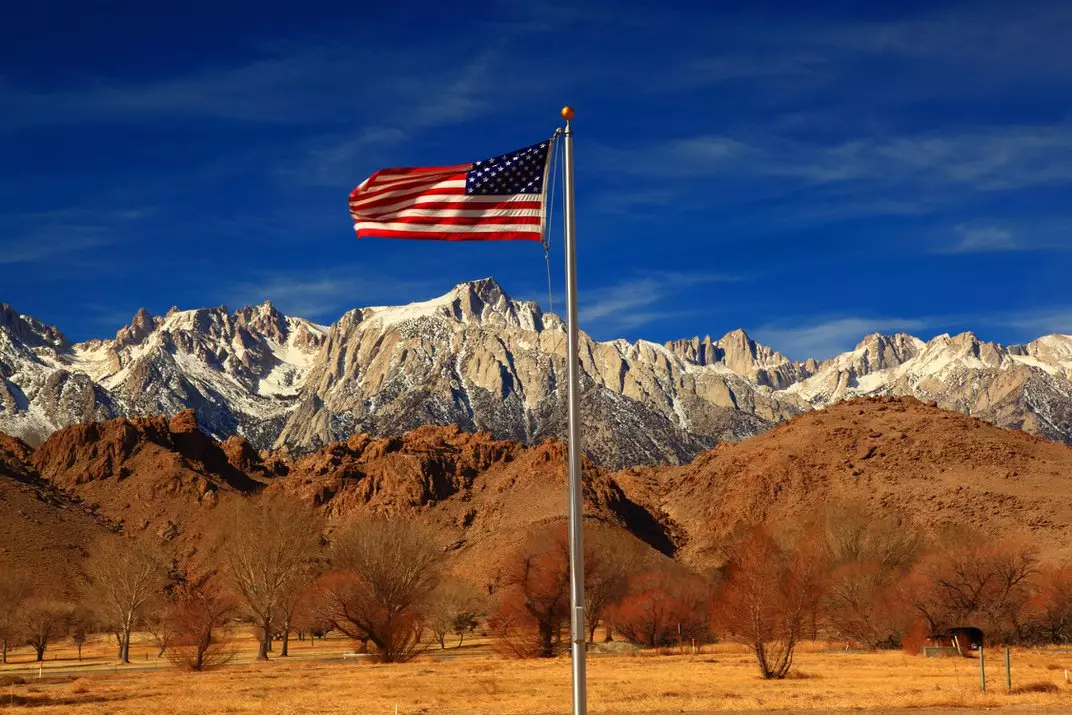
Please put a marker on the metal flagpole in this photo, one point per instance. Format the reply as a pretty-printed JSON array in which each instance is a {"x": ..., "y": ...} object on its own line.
[{"x": 576, "y": 500}]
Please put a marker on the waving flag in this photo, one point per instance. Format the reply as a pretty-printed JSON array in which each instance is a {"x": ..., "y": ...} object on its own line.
[{"x": 497, "y": 199}]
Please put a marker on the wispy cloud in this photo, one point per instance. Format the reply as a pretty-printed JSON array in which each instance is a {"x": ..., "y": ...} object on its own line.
[
  {"x": 422, "y": 101},
  {"x": 641, "y": 300},
  {"x": 812, "y": 181},
  {"x": 1001, "y": 39},
  {"x": 831, "y": 336},
  {"x": 324, "y": 295},
  {"x": 946, "y": 48},
  {"x": 986, "y": 159},
  {"x": 54, "y": 243},
  {"x": 1039, "y": 233},
  {"x": 1035, "y": 322},
  {"x": 984, "y": 239},
  {"x": 330, "y": 161},
  {"x": 63, "y": 235},
  {"x": 312, "y": 85},
  {"x": 683, "y": 158}
]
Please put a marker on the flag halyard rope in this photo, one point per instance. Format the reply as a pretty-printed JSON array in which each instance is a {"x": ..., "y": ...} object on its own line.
[{"x": 556, "y": 156}]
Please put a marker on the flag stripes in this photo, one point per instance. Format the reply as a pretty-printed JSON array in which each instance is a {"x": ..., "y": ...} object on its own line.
[{"x": 449, "y": 203}]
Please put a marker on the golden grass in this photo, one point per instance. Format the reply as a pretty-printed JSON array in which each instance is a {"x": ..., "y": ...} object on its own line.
[{"x": 473, "y": 680}]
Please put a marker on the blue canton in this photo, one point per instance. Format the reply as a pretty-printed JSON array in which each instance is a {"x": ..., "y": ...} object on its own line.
[{"x": 519, "y": 172}]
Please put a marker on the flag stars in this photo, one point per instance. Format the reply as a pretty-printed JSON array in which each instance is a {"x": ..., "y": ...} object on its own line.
[{"x": 520, "y": 172}]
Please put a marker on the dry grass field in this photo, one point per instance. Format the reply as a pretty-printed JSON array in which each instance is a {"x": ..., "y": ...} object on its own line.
[{"x": 472, "y": 679}]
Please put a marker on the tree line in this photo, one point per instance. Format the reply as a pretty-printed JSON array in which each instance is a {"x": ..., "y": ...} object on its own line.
[{"x": 849, "y": 574}]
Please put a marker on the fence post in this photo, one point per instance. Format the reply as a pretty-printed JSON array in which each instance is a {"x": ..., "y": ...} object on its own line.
[
  {"x": 1008, "y": 670},
  {"x": 982, "y": 670}
]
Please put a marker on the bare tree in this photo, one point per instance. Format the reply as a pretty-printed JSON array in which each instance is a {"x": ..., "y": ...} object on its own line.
[
  {"x": 44, "y": 621},
  {"x": 269, "y": 546},
  {"x": 665, "y": 605},
  {"x": 853, "y": 533},
  {"x": 124, "y": 576},
  {"x": 611, "y": 557},
  {"x": 82, "y": 623},
  {"x": 533, "y": 607},
  {"x": 199, "y": 611},
  {"x": 385, "y": 572},
  {"x": 453, "y": 608},
  {"x": 294, "y": 605},
  {"x": 1049, "y": 611},
  {"x": 160, "y": 624},
  {"x": 14, "y": 591},
  {"x": 984, "y": 582},
  {"x": 769, "y": 592},
  {"x": 870, "y": 553}
]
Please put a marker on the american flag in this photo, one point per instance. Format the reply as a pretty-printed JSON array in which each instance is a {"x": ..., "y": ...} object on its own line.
[{"x": 496, "y": 199}]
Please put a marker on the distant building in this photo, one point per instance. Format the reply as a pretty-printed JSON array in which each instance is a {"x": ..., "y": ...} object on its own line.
[{"x": 963, "y": 641}]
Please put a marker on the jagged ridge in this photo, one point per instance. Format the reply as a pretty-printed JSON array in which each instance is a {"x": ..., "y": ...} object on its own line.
[{"x": 481, "y": 360}]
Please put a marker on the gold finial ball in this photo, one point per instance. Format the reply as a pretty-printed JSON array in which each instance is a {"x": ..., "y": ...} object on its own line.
[{"x": 567, "y": 112}]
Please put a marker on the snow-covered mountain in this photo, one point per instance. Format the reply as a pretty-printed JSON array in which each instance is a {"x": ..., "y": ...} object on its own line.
[
  {"x": 480, "y": 359},
  {"x": 241, "y": 371},
  {"x": 1025, "y": 387}
]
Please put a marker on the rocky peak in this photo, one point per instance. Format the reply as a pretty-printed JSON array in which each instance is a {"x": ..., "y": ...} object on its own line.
[
  {"x": 15, "y": 456},
  {"x": 1051, "y": 349},
  {"x": 141, "y": 325},
  {"x": 30, "y": 331},
  {"x": 160, "y": 450},
  {"x": 967, "y": 346},
  {"x": 487, "y": 290},
  {"x": 736, "y": 350},
  {"x": 741, "y": 353},
  {"x": 485, "y": 300},
  {"x": 481, "y": 302},
  {"x": 183, "y": 422},
  {"x": 882, "y": 352},
  {"x": 264, "y": 320}
]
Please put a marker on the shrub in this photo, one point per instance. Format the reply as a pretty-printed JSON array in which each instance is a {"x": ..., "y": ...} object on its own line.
[
  {"x": 1042, "y": 686},
  {"x": 196, "y": 620},
  {"x": 664, "y": 606}
]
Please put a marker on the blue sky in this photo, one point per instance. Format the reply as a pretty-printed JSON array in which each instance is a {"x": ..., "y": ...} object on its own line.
[{"x": 810, "y": 175}]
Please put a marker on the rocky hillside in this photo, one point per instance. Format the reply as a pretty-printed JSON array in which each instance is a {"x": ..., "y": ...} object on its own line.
[
  {"x": 165, "y": 480},
  {"x": 481, "y": 360},
  {"x": 149, "y": 474},
  {"x": 44, "y": 530},
  {"x": 897, "y": 456},
  {"x": 934, "y": 468}
]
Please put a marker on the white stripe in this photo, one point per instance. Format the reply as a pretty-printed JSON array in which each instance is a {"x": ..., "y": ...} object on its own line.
[
  {"x": 382, "y": 181},
  {"x": 375, "y": 195},
  {"x": 449, "y": 213},
  {"x": 454, "y": 199},
  {"x": 447, "y": 228}
]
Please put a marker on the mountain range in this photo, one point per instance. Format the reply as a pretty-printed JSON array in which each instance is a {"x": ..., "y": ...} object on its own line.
[
  {"x": 478, "y": 359},
  {"x": 894, "y": 457}
]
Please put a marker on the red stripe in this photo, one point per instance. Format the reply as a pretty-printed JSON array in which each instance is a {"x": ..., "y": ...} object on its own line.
[
  {"x": 399, "y": 193},
  {"x": 475, "y": 205},
  {"x": 391, "y": 200},
  {"x": 423, "y": 170},
  {"x": 447, "y": 236},
  {"x": 460, "y": 206},
  {"x": 386, "y": 216},
  {"x": 463, "y": 220},
  {"x": 373, "y": 188}
]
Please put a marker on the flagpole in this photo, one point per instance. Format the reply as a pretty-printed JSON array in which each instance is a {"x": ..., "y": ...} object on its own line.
[{"x": 576, "y": 499}]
